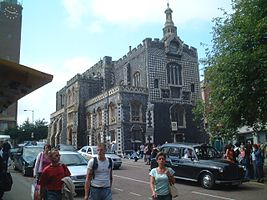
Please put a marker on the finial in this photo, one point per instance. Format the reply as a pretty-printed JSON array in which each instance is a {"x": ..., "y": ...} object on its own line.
[{"x": 168, "y": 3}]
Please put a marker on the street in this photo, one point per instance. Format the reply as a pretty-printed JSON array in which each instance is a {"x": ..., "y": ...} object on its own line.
[{"x": 131, "y": 182}]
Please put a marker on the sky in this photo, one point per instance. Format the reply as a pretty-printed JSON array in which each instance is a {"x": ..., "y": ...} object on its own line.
[{"x": 66, "y": 37}]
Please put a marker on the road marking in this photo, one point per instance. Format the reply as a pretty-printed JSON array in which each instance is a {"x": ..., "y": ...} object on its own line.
[
  {"x": 214, "y": 196},
  {"x": 131, "y": 165},
  {"x": 127, "y": 178},
  {"x": 135, "y": 194},
  {"x": 119, "y": 189}
]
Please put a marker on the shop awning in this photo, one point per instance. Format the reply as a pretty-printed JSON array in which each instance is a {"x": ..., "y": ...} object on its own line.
[{"x": 17, "y": 80}]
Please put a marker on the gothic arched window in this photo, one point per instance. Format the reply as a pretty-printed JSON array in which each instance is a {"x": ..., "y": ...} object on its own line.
[
  {"x": 136, "y": 114},
  {"x": 178, "y": 115},
  {"x": 137, "y": 79}
]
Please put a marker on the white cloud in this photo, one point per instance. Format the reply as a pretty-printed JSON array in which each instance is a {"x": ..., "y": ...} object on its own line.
[
  {"x": 46, "y": 95},
  {"x": 138, "y": 12},
  {"x": 95, "y": 27},
  {"x": 76, "y": 10}
]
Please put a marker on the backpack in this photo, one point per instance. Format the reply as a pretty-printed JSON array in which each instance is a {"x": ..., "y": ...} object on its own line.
[{"x": 95, "y": 165}]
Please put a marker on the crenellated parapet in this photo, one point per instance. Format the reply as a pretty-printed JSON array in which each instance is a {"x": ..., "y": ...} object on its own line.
[{"x": 192, "y": 51}]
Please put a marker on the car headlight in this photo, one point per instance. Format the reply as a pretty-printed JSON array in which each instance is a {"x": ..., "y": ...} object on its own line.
[
  {"x": 243, "y": 167},
  {"x": 220, "y": 170}
]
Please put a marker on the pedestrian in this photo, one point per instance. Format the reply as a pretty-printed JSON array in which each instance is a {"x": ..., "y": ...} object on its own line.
[
  {"x": 113, "y": 147},
  {"x": 259, "y": 163},
  {"x": 99, "y": 176},
  {"x": 135, "y": 155},
  {"x": 230, "y": 154},
  {"x": 142, "y": 147},
  {"x": 2, "y": 166},
  {"x": 147, "y": 152},
  {"x": 42, "y": 161},
  {"x": 51, "y": 183},
  {"x": 154, "y": 152},
  {"x": 6, "y": 153},
  {"x": 160, "y": 179}
]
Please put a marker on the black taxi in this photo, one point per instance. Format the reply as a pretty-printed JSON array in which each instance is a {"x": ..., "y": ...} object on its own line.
[{"x": 200, "y": 163}]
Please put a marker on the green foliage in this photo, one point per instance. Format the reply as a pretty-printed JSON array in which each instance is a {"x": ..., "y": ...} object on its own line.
[
  {"x": 29, "y": 131},
  {"x": 198, "y": 114},
  {"x": 237, "y": 68}
]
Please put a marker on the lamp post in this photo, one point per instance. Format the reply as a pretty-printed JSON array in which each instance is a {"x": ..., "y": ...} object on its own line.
[{"x": 32, "y": 114}]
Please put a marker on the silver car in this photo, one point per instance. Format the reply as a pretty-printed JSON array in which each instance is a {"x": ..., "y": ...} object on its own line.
[
  {"x": 77, "y": 166},
  {"x": 90, "y": 151}
]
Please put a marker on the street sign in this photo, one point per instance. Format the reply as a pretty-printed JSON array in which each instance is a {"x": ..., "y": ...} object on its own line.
[{"x": 174, "y": 126}]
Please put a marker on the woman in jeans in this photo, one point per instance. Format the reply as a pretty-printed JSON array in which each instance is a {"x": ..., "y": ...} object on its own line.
[{"x": 160, "y": 179}]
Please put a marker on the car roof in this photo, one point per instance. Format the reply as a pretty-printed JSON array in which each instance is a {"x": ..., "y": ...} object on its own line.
[
  {"x": 33, "y": 146},
  {"x": 68, "y": 152},
  {"x": 182, "y": 145}
]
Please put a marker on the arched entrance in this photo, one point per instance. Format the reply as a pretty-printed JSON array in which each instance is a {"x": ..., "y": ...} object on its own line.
[{"x": 137, "y": 136}]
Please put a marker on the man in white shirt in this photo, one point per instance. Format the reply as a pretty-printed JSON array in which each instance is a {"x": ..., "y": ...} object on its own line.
[{"x": 99, "y": 176}]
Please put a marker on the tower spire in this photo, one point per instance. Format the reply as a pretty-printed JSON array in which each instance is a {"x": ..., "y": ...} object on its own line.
[{"x": 169, "y": 28}]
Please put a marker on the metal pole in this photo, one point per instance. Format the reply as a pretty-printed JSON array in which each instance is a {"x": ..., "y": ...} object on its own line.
[{"x": 32, "y": 114}]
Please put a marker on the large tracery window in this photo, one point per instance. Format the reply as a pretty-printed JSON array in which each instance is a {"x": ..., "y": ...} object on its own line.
[
  {"x": 137, "y": 79},
  {"x": 174, "y": 74},
  {"x": 136, "y": 112}
]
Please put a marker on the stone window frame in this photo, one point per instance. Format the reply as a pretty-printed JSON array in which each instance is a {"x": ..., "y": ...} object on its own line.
[
  {"x": 112, "y": 113},
  {"x": 99, "y": 117},
  {"x": 178, "y": 115},
  {"x": 137, "y": 79},
  {"x": 136, "y": 111},
  {"x": 174, "y": 74}
]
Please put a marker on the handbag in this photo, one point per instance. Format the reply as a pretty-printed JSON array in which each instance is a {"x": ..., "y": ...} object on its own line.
[
  {"x": 35, "y": 191},
  {"x": 173, "y": 191},
  {"x": 5, "y": 181}
]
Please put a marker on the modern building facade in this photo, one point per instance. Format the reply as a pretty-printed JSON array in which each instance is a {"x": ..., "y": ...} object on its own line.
[
  {"x": 10, "y": 37},
  {"x": 146, "y": 96}
]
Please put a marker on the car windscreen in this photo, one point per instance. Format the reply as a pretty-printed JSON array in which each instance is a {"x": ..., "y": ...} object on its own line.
[
  {"x": 206, "y": 152},
  {"x": 30, "y": 153},
  {"x": 66, "y": 148},
  {"x": 94, "y": 150},
  {"x": 73, "y": 159}
]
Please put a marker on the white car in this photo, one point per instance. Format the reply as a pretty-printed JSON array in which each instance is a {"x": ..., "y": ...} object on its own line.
[
  {"x": 90, "y": 151},
  {"x": 77, "y": 166}
]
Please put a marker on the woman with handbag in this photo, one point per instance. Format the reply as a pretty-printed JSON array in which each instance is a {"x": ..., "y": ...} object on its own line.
[
  {"x": 42, "y": 161},
  {"x": 161, "y": 178}
]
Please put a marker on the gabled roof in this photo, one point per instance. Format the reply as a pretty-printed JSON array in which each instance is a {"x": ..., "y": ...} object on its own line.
[{"x": 17, "y": 80}]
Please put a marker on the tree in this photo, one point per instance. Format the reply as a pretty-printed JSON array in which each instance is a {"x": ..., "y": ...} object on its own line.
[
  {"x": 29, "y": 131},
  {"x": 236, "y": 68}
]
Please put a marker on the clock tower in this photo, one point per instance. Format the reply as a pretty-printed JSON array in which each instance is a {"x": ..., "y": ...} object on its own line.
[{"x": 10, "y": 37}]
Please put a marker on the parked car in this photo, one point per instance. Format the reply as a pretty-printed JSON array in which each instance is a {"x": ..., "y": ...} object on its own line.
[
  {"x": 90, "y": 151},
  {"x": 77, "y": 166},
  {"x": 24, "y": 159},
  {"x": 201, "y": 163},
  {"x": 65, "y": 147}
]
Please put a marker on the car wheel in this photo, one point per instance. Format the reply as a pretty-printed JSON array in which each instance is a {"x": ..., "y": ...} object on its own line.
[
  {"x": 24, "y": 171},
  {"x": 14, "y": 166},
  {"x": 207, "y": 180}
]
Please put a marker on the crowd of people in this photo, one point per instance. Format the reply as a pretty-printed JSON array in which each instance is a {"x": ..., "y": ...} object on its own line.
[
  {"x": 250, "y": 156},
  {"x": 50, "y": 172}
]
